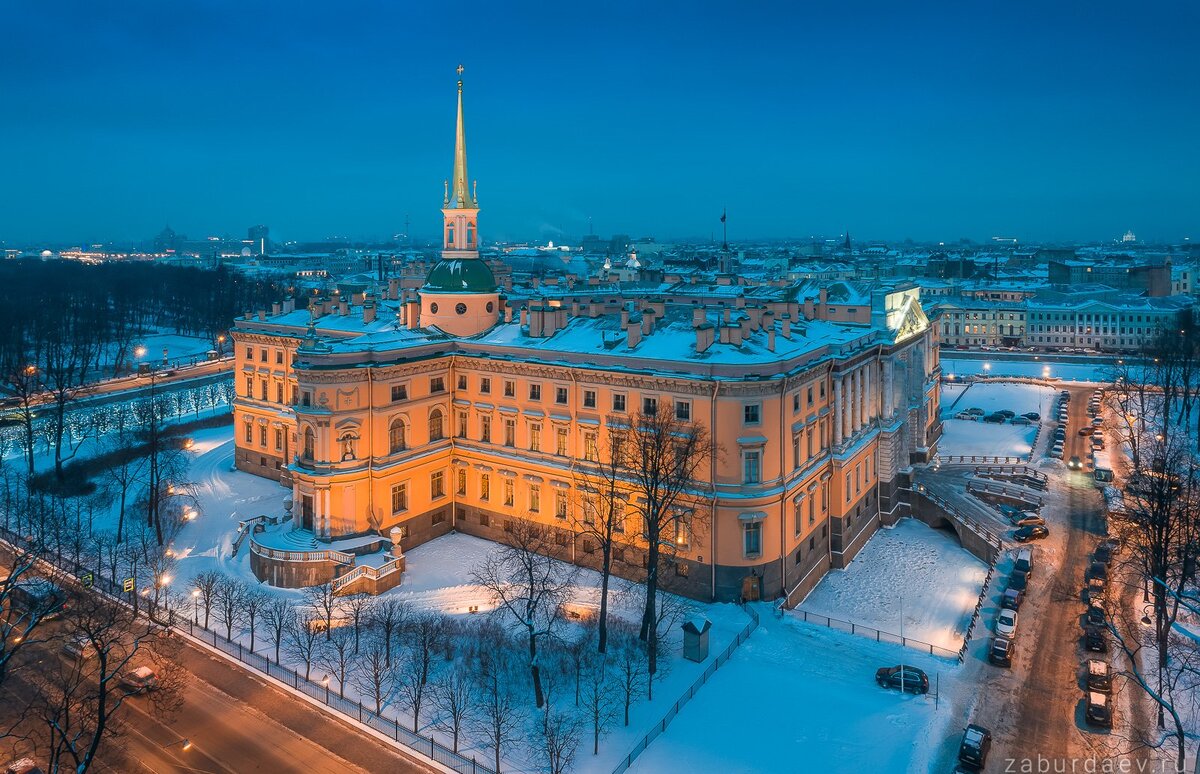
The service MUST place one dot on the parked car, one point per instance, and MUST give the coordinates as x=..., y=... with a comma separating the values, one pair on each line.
x=1099, y=711
x=1098, y=421
x=1012, y=598
x=1031, y=518
x=966, y=415
x=1087, y=430
x=1095, y=589
x=1006, y=623
x=1018, y=580
x=1095, y=615
x=140, y=680
x=1001, y=653
x=80, y=646
x=976, y=411
x=1095, y=639
x=1032, y=416
x=1075, y=463
x=1032, y=532
x=1098, y=570
x=1009, y=512
x=1021, y=421
x=1024, y=562
x=903, y=677
x=974, y=747
x=1099, y=676
x=1007, y=414
x=995, y=419
x=1104, y=552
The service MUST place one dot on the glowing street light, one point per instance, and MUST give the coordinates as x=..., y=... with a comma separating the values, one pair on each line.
x=140, y=352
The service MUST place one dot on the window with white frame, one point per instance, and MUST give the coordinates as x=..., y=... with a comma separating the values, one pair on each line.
x=752, y=539
x=751, y=466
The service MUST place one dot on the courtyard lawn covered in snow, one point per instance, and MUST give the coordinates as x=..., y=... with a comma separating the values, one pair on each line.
x=913, y=566
x=800, y=697
x=993, y=396
x=964, y=438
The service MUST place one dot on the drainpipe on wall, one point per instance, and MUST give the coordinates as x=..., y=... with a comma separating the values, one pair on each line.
x=371, y=445
x=783, y=497
x=712, y=513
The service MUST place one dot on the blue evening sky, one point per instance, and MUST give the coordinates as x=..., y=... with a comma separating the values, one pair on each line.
x=1041, y=120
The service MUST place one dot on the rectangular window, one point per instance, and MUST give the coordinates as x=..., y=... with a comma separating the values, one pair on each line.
x=460, y=424
x=437, y=384
x=485, y=486
x=306, y=398
x=263, y=354
x=279, y=356
x=485, y=385
x=278, y=440
x=847, y=486
x=751, y=467
x=589, y=510
x=399, y=392
x=510, y=389
x=752, y=539
x=649, y=406
x=460, y=483
x=508, y=492
x=399, y=498
x=535, y=498
x=262, y=389
x=249, y=432
x=560, y=505
x=683, y=411
x=560, y=395
x=560, y=441
x=249, y=386
x=795, y=402
x=279, y=392
x=249, y=353
x=485, y=428
x=618, y=401
x=751, y=413
x=535, y=437
x=262, y=435
x=510, y=432
x=462, y=381
x=437, y=485
x=535, y=392
x=589, y=399
x=589, y=447
x=810, y=397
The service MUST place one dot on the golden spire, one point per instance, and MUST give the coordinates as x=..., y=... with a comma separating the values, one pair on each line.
x=460, y=197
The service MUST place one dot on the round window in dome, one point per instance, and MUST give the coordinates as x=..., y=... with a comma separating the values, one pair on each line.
x=460, y=309
x=490, y=307
x=433, y=308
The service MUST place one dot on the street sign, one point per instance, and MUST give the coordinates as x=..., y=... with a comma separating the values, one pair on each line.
x=86, y=579
x=128, y=584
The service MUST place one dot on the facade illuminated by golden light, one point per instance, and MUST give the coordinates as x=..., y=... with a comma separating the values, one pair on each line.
x=450, y=409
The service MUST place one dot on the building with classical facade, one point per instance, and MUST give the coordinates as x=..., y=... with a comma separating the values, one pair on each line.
x=411, y=413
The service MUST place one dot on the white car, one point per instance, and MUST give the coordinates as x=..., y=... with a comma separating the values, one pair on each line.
x=1006, y=623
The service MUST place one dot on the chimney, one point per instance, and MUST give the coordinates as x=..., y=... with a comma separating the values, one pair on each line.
x=524, y=316
x=574, y=308
x=755, y=317
x=276, y=308
x=787, y=326
x=726, y=316
x=633, y=334
x=508, y=313
x=704, y=337
x=393, y=289
x=343, y=307
x=289, y=305
x=262, y=315
x=624, y=317
x=768, y=319
x=412, y=314
x=537, y=321
x=699, y=316
x=647, y=322
x=358, y=298
x=822, y=295
x=770, y=339
x=740, y=301
x=594, y=309
x=560, y=321
x=534, y=282
x=368, y=313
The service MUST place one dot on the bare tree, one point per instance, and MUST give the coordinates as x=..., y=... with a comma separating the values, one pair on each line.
x=22, y=380
x=277, y=615
x=204, y=590
x=303, y=633
x=631, y=673
x=337, y=656
x=127, y=467
x=358, y=609
x=600, y=698
x=662, y=457
x=388, y=615
x=254, y=603
x=372, y=675
x=324, y=602
x=423, y=635
x=528, y=586
x=498, y=718
x=22, y=614
x=229, y=596
x=558, y=740
x=69, y=351
x=453, y=698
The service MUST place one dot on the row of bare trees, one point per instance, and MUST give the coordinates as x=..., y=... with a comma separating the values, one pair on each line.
x=1154, y=399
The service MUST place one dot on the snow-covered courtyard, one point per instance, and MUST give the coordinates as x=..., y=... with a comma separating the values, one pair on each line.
x=967, y=438
x=799, y=697
x=909, y=570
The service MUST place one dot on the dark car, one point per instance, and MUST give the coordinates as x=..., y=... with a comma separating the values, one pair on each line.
x=1018, y=580
x=1032, y=416
x=903, y=677
x=1095, y=615
x=1007, y=414
x=995, y=419
x=1010, y=512
x=976, y=742
x=1012, y=599
x=1075, y=463
x=1099, y=709
x=1032, y=532
x=1001, y=653
x=1095, y=639
x=1099, y=676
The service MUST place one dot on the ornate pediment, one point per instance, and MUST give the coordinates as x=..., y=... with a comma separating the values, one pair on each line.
x=912, y=321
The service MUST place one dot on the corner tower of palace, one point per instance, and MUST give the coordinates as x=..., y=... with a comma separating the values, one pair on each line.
x=459, y=296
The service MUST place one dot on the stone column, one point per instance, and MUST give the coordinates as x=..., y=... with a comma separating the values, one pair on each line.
x=852, y=411
x=865, y=378
x=838, y=407
x=889, y=399
x=327, y=527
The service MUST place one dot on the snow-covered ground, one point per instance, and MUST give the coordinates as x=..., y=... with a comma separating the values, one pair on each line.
x=1017, y=397
x=911, y=568
x=800, y=697
x=1045, y=367
x=964, y=438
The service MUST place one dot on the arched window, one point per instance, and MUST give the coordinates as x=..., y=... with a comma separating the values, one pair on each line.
x=310, y=443
x=436, y=430
x=449, y=236
x=397, y=439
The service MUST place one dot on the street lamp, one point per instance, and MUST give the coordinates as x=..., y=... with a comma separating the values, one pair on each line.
x=140, y=352
x=195, y=605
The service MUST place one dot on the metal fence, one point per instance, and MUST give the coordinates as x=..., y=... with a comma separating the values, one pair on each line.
x=661, y=726
x=872, y=633
x=425, y=746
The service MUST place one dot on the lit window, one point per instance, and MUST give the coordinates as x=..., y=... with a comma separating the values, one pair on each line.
x=535, y=498
x=560, y=441
x=485, y=486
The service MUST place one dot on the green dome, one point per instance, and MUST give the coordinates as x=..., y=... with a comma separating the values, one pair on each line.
x=458, y=275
